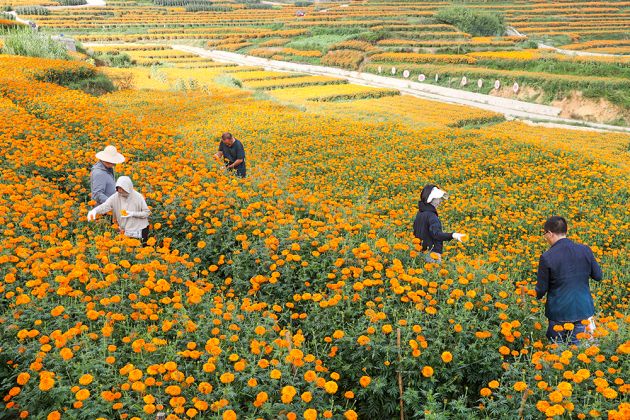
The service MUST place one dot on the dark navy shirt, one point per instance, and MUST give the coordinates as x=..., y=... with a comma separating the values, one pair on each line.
x=563, y=274
x=234, y=152
x=428, y=228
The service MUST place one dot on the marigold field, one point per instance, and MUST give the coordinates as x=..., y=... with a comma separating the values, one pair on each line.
x=300, y=291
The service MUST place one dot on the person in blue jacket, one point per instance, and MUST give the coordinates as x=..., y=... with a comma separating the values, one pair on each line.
x=102, y=178
x=563, y=275
x=427, y=226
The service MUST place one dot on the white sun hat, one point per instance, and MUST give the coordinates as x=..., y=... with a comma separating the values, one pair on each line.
x=436, y=193
x=110, y=155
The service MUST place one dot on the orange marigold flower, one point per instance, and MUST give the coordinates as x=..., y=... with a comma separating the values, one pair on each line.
x=310, y=414
x=82, y=395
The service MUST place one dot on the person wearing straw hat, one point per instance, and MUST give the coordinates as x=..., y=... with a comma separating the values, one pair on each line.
x=427, y=226
x=102, y=178
x=129, y=208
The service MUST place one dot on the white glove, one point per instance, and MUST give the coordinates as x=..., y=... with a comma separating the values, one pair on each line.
x=129, y=214
x=458, y=236
x=91, y=215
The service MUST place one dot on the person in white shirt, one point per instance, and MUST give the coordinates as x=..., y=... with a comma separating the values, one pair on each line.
x=130, y=210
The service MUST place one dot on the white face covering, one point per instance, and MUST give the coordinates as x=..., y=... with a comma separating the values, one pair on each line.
x=436, y=193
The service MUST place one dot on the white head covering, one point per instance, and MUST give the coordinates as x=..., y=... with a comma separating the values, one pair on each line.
x=125, y=183
x=110, y=155
x=436, y=193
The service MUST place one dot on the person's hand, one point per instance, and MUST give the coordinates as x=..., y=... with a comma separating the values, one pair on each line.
x=129, y=214
x=91, y=215
x=458, y=236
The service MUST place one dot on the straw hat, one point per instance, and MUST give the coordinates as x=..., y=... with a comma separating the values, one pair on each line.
x=110, y=155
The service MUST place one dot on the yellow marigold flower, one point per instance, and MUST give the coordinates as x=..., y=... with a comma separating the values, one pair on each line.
x=23, y=378
x=447, y=357
x=86, y=379
x=227, y=378
x=520, y=386
x=365, y=381
x=331, y=387
x=310, y=414
x=82, y=395
x=427, y=371
x=351, y=415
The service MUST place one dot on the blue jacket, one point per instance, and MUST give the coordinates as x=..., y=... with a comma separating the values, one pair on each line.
x=563, y=274
x=102, y=182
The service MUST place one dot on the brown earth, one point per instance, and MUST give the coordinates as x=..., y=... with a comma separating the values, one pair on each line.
x=591, y=109
x=574, y=106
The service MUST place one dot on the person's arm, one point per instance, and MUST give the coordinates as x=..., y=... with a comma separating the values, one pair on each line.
x=99, y=184
x=144, y=212
x=436, y=230
x=219, y=153
x=596, y=271
x=106, y=207
x=235, y=164
x=542, y=284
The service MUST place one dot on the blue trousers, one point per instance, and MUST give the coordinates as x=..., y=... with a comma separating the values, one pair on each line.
x=565, y=336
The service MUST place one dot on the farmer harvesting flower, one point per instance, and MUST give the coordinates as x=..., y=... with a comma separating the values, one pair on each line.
x=563, y=275
x=233, y=152
x=427, y=225
x=129, y=208
x=102, y=179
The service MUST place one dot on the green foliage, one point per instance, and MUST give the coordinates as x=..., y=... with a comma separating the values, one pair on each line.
x=372, y=36
x=316, y=42
x=72, y=2
x=84, y=78
x=200, y=7
x=32, y=10
x=28, y=43
x=471, y=21
x=227, y=80
x=98, y=84
x=113, y=59
x=303, y=3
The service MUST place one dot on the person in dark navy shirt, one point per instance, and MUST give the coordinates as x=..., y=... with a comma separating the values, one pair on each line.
x=233, y=152
x=563, y=275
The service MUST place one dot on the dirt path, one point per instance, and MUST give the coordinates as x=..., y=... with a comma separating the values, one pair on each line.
x=512, y=109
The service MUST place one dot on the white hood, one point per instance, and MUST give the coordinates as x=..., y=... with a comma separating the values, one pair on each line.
x=125, y=183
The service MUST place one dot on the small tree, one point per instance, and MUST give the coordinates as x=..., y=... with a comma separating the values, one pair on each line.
x=474, y=22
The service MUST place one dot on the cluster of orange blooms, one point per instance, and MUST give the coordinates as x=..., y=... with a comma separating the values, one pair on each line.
x=299, y=291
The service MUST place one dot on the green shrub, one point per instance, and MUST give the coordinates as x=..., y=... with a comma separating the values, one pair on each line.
x=258, y=6
x=206, y=8
x=113, y=59
x=28, y=43
x=98, y=84
x=303, y=3
x=474, y=22
x=32, y=10
x=72, y=2
x=372, y=36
